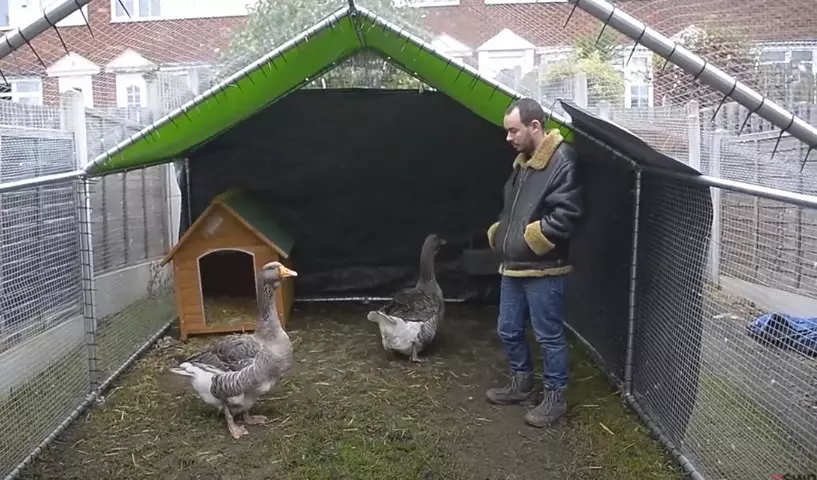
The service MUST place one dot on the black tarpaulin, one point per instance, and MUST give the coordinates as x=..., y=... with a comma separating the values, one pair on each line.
x=360, y=177
x=675, y=222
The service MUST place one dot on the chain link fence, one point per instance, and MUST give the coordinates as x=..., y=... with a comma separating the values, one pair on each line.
x=750, y=373
x=80, y=288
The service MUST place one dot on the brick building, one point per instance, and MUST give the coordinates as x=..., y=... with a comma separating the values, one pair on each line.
x=180, y=39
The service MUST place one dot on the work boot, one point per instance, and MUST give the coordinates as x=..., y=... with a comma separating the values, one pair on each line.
x=519, y=390
x=552, y=408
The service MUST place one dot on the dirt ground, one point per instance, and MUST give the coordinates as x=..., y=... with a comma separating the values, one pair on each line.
x=350, y=411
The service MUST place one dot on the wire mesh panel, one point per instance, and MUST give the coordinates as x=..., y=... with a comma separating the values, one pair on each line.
x=130, y=235
x=27, y=153
x=774, y=55
x=38, y=235
x=43, y=356
x=109, y=126
x=603, y=267
x=738, y=405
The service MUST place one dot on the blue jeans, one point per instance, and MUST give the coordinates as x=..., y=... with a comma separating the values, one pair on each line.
x=543, y=298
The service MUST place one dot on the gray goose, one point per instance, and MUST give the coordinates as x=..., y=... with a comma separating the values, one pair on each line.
x=234, y=372
x=408, y=322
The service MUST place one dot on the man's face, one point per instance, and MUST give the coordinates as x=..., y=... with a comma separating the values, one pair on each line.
x=520, y=137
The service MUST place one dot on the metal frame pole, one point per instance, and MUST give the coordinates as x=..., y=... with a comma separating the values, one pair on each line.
x=23, y=35
x=700, y=69
x=88, y=282
x=800, y=199
x=628, y=365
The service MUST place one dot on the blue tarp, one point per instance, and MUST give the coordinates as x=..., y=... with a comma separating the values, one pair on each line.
x=787, y=331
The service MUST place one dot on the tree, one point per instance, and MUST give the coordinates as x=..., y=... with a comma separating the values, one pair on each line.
x=606, y=45
x=727, y=48
x=604, y=82
x=271, y=23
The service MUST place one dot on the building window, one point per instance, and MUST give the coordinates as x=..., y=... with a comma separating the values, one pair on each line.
x=801, y=56
x=131, y=95
x=73, y=20
x=780, y=54
x=505, y=2
x=427, y=3
x=181, y=9
x=773, y=56
x=138, y=9
x=786, y=73
x=639, y=96
x=27, y=91
x=133, y=99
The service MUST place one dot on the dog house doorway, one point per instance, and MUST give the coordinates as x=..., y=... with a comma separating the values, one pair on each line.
x=228, y=287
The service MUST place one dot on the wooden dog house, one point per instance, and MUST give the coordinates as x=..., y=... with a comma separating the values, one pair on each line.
x=219, y=257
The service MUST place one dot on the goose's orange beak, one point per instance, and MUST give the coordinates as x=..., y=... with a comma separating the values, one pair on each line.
x=287, y=272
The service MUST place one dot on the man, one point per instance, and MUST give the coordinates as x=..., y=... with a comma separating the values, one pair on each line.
x=542, y=203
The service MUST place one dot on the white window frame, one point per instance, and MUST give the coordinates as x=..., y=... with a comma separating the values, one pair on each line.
x=637, y=72
x=22, y=12
x=187, y=9
x=510, y=2
x=787, y=49
x=427, y=3
x=133, y=9
x=73, y=20
x=124, y=81
x=83, y=83
x=15, y=95
x=10, y=16
x=136, y=91
x=134, y=111
x=628, y=94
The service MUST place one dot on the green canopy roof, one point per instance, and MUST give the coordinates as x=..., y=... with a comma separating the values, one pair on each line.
x=295, y=63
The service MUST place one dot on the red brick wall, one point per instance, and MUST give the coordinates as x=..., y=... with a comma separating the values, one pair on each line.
x=473, y=22
x=164, y=41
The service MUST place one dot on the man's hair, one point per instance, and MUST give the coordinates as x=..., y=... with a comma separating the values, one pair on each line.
x=529, y=110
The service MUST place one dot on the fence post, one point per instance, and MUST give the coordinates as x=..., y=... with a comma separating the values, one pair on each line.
x=694, y=134
x=73, y=115
x=605, y=111
x=631, y=310
x=715, y=239
x=580, y=90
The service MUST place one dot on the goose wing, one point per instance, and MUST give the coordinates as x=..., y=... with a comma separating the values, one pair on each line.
x=231, y=353
x=228, y=385
x=411, y=305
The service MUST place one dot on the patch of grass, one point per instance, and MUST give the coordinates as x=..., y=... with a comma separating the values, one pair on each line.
x=754, y=413
x=121, y=334
x=607, y=437
x=348, y=411
x=733, y=436
x=33, y=410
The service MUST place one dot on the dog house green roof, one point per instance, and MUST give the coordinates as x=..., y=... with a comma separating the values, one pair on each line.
x=315, y=51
